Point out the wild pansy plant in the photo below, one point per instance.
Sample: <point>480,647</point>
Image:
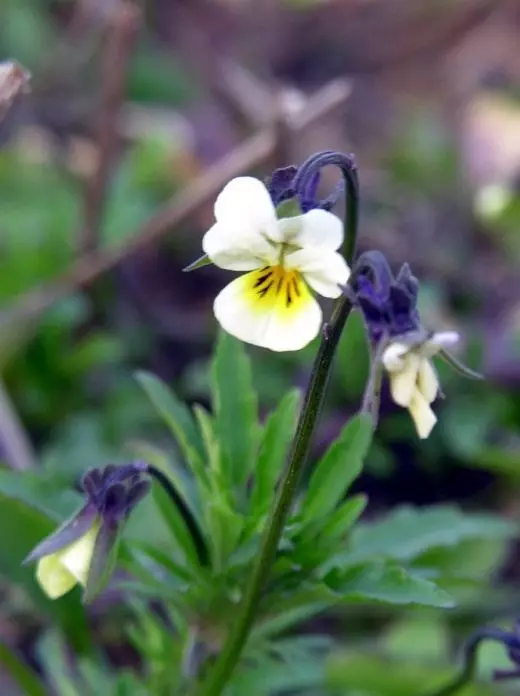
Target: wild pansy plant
<point>245,552</point>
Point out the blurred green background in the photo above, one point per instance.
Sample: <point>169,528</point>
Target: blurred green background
<point>431,108</point>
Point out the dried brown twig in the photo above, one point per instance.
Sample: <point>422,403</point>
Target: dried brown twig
<point>119,42</point>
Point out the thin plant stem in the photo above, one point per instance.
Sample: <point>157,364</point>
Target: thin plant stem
<point>372,394</point>
<point>469,667</point>
<point>222,670</point>
<point>187,516</point>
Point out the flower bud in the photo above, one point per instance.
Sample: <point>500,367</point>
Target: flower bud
<point>83,549</point>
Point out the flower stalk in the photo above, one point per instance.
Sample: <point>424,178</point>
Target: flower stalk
<point>510,640</point>
<point>222,670</point>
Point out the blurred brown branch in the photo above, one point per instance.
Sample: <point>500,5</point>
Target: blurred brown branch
<point>254,152</point>
<point>119,42</point>
<point>15,446</point>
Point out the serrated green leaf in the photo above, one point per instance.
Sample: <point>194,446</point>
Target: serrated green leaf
<point>338,468</point>
<point>407,532</point>
<point>235,408</point>
<point>390,584</point>
<point>277,434</point>
<point>178,418</point>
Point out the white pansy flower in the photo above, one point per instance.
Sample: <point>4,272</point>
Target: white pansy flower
<point>413,379</point>
<point>272,305</point>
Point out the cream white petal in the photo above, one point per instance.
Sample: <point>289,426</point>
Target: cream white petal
<point>428,382</point>
<point>267,320</point>
<point>53,578</point>
<point>77,557</point>
<point>393,356</point>
<point>423,416</point>
<point>244,205</point>
<point>324,270</point>
<point>237,251</point>
<point>403,383</point>
<point>317,228</point>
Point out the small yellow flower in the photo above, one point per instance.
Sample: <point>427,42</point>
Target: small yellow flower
<point>413,379</point>
<point>272,305</point>
<point>60,571</point>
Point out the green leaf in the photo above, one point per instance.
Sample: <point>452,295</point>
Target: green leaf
<point>41,491</point>
<point>338,468</point>
<point>353,362</point>
<point>235,409</point>
<point>21,673</point>
<point>29,527</point>
<point>277,434</point>
<point>391,584</point>
<point>211,443</point>
<point>417,637</point>
<point>407,532</point>
<point>202,261</point>
<point>178,418</point>
<point>342,519</point>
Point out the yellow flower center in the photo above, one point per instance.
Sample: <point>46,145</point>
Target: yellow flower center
<point>276,283</point>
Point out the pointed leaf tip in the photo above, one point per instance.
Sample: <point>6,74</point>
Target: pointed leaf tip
<point>202,261</point>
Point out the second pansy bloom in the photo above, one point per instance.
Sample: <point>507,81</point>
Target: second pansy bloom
<point>389,307</point>
<point>285,259</point>
<point>82,551</point>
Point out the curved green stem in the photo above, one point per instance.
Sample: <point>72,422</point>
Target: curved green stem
<point>469,667</point>
<point>191,523</point>
<point>223,668</point>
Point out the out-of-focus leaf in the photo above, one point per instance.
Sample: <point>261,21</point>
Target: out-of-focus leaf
<point>43,492</point>
<point>178,418</point>
<point>20,672</point>
<point>353,357</point>
<point>407,532</point>
<point>378,676</point>
<point>391,584</point>
<point>417,637</point>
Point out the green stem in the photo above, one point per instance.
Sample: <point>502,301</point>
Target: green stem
<point>226,662</point>
<point>470,661</point>
<point>191,523</point>
<point>372,395</point>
